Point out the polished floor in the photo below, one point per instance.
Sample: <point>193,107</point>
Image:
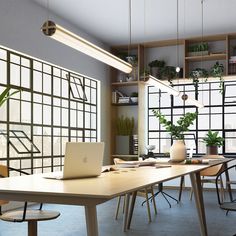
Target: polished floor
<point>179,220</point>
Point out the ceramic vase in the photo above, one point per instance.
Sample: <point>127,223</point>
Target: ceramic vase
<point>178,151</point>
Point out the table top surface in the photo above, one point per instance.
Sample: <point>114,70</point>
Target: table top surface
<point>106,186</point>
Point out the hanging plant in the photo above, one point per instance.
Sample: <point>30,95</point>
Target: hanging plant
<point>169,73</point>
<point>196,74</point>
<point>217,72</point>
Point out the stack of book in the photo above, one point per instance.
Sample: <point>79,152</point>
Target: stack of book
<point>124,100</point>
<point>135,144</point>
<point>118,97</point>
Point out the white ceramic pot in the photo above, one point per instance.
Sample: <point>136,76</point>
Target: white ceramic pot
<point>178,151</point>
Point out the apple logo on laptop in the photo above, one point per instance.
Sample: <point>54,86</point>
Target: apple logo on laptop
<point>85,159</point>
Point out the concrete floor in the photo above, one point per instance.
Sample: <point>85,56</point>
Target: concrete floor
<point>179,220</point>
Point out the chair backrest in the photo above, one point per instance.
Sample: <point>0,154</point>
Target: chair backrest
<point>3,173</point>
<point>212,171</point>
<point>219,175</point>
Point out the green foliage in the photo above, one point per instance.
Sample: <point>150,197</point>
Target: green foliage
<point>198,47</point>
<point>125,125</point>
<point>134,94</point>
<point>176,131</point>
<point>198,73</point>
<point>4,96</point>
<point>217,71</point>
<point>157,63</point>
<point>213,139</point>
<point>145,72</point>
<point>169,73</point>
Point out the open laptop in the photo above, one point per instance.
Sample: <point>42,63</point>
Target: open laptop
<point>81,160</point>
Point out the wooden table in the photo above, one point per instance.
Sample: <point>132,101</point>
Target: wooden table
<point>90,192</point>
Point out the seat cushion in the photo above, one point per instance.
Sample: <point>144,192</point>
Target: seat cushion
<point>31,215</point>
<point>231,206</point>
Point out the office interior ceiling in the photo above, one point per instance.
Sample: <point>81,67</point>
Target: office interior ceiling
<point>107,20</point>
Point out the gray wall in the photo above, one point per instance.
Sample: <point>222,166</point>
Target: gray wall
<point>20,22</point>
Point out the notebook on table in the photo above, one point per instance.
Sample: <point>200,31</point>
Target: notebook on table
<point>81,160</point>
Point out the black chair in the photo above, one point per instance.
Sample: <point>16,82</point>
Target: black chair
<point>32,216</point>
<point>228,204</point>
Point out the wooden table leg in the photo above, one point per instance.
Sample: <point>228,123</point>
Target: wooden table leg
<point>32,228</point>
<point>126,213</point>
<point>197,190</point>
<point>131,209</point>
<point>91,220</point>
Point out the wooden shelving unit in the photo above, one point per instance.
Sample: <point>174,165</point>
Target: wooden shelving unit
<point>121,84</point>
<point>124,104</point>
<point>211,57</point>
<point>220,49</point>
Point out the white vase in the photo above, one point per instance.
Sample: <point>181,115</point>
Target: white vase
<point>178,151</point>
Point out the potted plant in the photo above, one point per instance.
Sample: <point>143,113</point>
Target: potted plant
<point>155,67</point>
<point>198,73</point>
<point>133,60</point>
<point>168,73</point>
<point>134,97</point>
<point>213,141</point>
<point>199,49</point>
<point>217,71</point>
<point>178,149</point>
<point>124,132</point>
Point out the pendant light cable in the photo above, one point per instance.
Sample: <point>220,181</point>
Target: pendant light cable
<point>177,38</point>
<point>202,47</point>
<point>130,30</point>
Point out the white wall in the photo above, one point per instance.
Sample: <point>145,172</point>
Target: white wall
<point>20,23</point>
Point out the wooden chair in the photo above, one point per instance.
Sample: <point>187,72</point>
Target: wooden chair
<point>141,193</point>
<point>32,216</point>
<point>209,176</point>
<point>228,205</point>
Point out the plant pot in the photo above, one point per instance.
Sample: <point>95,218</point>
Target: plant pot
<point>178,151</point>
<point>123,145</point>
<point>212,150</point>
<point>155,71</point>
<point>134,99</point>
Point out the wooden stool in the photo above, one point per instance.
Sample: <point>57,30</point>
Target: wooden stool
<point>32,217</point>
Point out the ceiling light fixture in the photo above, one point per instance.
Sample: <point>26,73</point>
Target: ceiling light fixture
<point>191,101</point>
<point>184,97</point>
<point>151,80</point>
<point>64,36</point>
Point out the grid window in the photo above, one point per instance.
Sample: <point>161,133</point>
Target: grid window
<point>218,114</point>
<point>46,110</point>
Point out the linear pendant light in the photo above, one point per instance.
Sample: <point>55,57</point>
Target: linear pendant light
<point>64,36</point>
<point>191,101</point>
<point>151,80</point>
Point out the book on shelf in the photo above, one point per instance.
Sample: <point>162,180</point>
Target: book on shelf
<point>119,97</point>
<point>124,100</point>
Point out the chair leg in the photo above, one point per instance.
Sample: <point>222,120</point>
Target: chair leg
<point>222,189</point>
<point>154,201</point>
<point>32,228</point>
<point>148,206</point>
<point>181,187</point>
<point>123,210</point>
<point>118,207</point>
<point>191,194</point>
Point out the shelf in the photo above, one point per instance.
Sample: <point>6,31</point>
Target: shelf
<point>128,155</point>
<point>119,84</point>
<point>211,57</point>
<point>124,104</point>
